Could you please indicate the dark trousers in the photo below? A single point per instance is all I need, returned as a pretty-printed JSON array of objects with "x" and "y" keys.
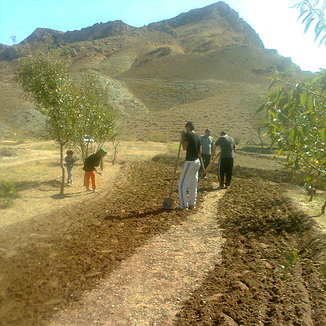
[
  {"x": 206, "y": 160},
  {"x": 225, "y": 171}
]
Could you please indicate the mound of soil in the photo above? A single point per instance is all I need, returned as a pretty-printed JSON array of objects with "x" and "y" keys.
[
  {"x": 271, "y": 272},
  {"x": 46, "y": 264}
]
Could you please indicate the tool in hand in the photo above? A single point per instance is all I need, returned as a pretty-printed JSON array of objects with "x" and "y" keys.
[{"x": 168, "y": 202}]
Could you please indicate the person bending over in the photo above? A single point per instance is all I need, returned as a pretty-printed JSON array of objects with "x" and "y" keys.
[{"x": 90, "y": 165}]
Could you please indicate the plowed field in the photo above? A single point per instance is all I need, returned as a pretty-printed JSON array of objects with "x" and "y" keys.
[{"x": 270, "y": 272}]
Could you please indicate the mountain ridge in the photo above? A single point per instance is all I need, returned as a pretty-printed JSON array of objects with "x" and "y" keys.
[
  {"x": 204, "y": 65},
  {"x": 220, "y": 12}
]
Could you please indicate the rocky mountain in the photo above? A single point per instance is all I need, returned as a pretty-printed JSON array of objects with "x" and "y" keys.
[
  {"x": 218, "y": 14},
  {"x": 207, "y": 65},
  {"x": 3, "y": 46}
]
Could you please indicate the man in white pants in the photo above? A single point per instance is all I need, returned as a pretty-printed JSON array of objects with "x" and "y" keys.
[{"x": 189, "y": 176}]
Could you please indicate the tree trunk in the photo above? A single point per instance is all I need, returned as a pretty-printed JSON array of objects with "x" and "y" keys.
[
  {"x": 62, "y": 187},
  {"x": 82, "y": 149},
  {"x": 323, "y": 208},
  {"x": 115, "y": 149},
  {"x": 86, "y": 150},
  {"x": 261, "y": 141}
]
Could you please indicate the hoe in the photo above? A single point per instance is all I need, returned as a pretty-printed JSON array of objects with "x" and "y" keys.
[{"x": 168, "y": 202}]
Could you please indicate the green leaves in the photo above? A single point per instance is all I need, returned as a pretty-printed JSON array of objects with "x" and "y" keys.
[
  {"x": 96, "y": 116},
  {"x": 313, "y": 12},
  {"x": 73, "y": 110},
  {"x": 296, "y": 122}
]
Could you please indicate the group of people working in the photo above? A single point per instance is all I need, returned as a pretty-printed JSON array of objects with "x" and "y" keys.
[
  {"x": 90, "y": 165},
  {"x": 199, "y": 152}
]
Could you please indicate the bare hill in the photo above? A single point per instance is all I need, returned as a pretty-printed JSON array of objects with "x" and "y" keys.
[{"x": 207, "y": 65}]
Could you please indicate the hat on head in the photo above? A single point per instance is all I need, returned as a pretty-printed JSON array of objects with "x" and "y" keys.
[
  {"x": 207, "y": 129},
  {"x": 103, "y": 150}
]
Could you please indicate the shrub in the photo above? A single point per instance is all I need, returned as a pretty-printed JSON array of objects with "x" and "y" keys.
[{"x": 7, "y": 194}]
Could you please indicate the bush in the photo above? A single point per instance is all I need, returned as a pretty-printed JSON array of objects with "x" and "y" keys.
[
  {"x": 6, "y": 203},
  {"x": 7, "y": 194}
]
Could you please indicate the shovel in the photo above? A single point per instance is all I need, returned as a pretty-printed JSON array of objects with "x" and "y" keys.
[{"x": 168, "y": 202}]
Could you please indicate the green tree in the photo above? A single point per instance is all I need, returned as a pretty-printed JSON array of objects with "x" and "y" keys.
[
  {"x": 46, "y": 78},
  {"x": 296, "y": 122},
  {"x": 313, "y": 11},
  {"x": 296, "y": 113},
  {"x": 97, "y": 118},
  {"x": 72, "y": 110}
]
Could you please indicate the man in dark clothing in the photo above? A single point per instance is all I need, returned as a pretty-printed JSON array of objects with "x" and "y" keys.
[
  {"x": 227, "y": 146},
  {"x": 189, "y": 176},
  {"x": 207, "y": 144},
  {"x": 90, "y": 165}
]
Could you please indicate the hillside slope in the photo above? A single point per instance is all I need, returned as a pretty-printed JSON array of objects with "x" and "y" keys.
[{"x": 207, "y": 65}]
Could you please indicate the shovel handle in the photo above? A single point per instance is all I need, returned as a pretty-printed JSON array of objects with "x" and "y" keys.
[
  {"x": 214, "y": 158},
  {"x": 175, "y": 169}
]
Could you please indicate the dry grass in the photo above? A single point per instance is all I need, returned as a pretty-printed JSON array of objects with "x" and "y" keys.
[
  {"x": 300, "y": 198},
  {"x": 36, "y": 173}
]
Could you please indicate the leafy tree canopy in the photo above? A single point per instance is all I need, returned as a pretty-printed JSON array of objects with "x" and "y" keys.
[
  {"x": 296, "y": 122},
  {"x": 72, "y": 110},
  {"x": 313, "y": 11}
]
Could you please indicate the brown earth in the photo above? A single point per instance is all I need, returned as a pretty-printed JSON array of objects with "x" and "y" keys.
[
  {"x": 207, "y": 65},
  {"x": 271, "y": 272},
  {"x": 48, "y": 263}
]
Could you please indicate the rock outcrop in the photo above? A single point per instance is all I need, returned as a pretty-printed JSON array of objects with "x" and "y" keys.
[{"x": 219, "y": 12}]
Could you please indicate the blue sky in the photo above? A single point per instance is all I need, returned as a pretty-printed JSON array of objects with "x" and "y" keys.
[{"x": 273, "y": 20}]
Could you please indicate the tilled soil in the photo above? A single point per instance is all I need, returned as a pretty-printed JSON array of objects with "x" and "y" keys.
[
  {"x": 149, "y": 287},
  {"x": 270, "y": 273},
  {"x": 46, "y": 264}
]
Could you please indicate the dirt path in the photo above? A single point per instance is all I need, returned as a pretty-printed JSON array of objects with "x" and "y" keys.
[{"x": 148, "y": 288}]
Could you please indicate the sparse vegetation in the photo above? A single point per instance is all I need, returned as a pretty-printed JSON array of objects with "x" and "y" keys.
[
  {"x": 159, "y": 137},
  {"x": 7, "y": 194}
]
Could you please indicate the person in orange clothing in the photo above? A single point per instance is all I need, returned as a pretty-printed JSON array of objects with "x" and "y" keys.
[{"x": 90, "y": 165}]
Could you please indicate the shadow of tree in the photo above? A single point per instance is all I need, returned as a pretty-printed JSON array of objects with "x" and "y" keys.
[
  {"x": 26, "y": 185},
  {"x": 258, "y": 150},
  {"x": 58, "y": 196}
]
